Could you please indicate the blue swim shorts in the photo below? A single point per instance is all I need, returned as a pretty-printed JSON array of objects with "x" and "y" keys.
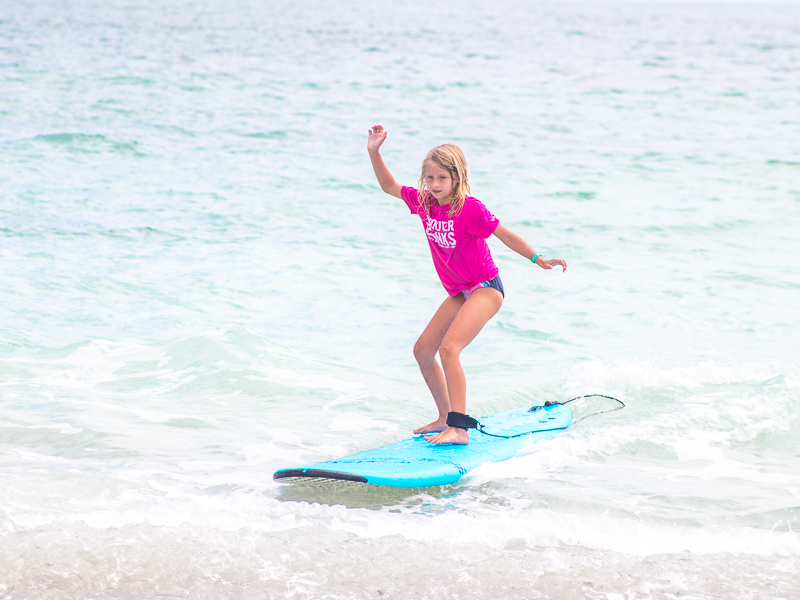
[{"x": 495, "y": 283}]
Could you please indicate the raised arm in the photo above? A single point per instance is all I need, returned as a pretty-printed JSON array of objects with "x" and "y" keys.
[
  {"x": 376, "y": 137},
  {"x": 520, "y": 246}
]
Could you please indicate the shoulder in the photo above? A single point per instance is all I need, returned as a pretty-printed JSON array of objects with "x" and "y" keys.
[
  {"x": 477, "y": 218},
  {"x": 407, "y": 190},
  {"x": 473, "y": 206},
  {"x": 472, "y": 203},
  {"x": 410, "y": 196}
]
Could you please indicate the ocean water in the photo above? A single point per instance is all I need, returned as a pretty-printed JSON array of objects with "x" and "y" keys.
[{"x": 202, "y": 283}]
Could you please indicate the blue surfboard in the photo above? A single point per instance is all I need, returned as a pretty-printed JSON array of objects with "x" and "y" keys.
[{"x": 415, "y": 462}]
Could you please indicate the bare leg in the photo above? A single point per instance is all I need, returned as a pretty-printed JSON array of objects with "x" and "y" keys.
[
  {"x": 482, "y": 305},
  {"x": 425, "y": 352}
]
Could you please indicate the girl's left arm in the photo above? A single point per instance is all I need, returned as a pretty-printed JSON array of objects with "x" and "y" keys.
[{"x": 520, "y": 246}]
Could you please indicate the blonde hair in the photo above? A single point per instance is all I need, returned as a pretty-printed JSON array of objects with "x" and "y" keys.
[{"x": 450, "y": 158}]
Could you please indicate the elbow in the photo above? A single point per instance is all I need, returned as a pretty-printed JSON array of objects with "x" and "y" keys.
[{"x": 392, "y": 188}]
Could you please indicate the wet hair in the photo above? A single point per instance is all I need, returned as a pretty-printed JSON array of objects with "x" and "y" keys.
[{"x": 450, "y": 158}]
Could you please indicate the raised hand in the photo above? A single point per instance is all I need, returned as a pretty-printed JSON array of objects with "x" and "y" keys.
[{"x": 376, "y": 137}]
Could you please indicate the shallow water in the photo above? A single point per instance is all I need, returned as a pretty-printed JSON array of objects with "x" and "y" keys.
[{"x": 204, "y": 284}]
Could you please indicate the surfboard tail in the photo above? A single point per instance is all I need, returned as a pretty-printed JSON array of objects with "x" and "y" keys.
[{"x": 298, "y": 475}]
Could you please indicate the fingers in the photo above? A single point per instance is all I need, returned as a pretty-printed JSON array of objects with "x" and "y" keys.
[{"x": 549, "y": 264}]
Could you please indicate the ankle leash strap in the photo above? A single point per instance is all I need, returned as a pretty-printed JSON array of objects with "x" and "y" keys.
[{"x": 461, "y": 421}]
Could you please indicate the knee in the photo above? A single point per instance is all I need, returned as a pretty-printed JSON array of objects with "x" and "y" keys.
[
  {"x": 423, "y": 353},
  {"x": 449, "y": 352}
]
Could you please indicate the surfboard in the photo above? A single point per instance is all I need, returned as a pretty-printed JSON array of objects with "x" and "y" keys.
[{"x": 414, "y": 462}]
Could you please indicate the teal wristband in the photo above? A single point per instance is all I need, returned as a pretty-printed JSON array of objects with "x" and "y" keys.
[{"x": 535, "y": 256}]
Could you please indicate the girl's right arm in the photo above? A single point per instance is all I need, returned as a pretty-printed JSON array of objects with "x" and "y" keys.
[{"x": 376, "y": 137}]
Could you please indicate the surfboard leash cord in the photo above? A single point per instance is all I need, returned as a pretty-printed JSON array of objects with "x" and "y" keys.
[{"x": 479, "y": 426}]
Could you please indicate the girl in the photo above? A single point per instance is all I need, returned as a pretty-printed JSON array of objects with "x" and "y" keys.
[{"x": 457, "y": 226}]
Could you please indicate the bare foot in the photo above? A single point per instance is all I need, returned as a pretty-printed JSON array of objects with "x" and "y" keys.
[
  {"x": 451, "y": 435},
  {"x": 435, "y": 427}
]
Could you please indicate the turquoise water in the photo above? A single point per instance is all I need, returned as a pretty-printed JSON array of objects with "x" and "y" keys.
[{"x": 202, "y": 283}]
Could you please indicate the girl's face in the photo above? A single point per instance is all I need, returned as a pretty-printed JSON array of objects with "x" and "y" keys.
[{"x": 439, "y": 183}]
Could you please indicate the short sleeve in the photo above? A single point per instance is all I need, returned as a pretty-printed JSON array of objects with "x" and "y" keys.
[
  {"x": 479, "y": 221},
  {"x": 410, "y": 196}
]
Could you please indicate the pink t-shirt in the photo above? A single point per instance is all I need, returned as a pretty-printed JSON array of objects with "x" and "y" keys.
[{"x": 458, "y": 243}]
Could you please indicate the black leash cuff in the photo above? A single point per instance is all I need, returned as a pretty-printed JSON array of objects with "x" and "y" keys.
[{"x": 460, "y": 420}]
